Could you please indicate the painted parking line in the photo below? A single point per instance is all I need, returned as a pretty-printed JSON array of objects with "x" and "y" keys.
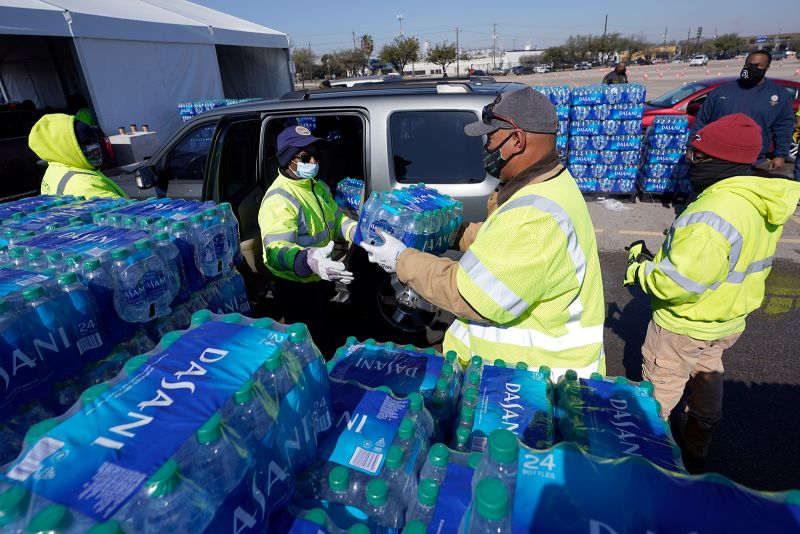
[
  {"x": 790, "y": 241},
  {"x": 640, "y": 232},
  {"x": 796, "y": 218}
]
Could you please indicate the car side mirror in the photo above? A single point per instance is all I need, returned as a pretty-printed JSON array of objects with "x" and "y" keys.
[{"x": 146, "y": 177}]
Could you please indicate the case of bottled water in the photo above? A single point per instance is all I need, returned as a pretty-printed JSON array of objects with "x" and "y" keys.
[
  {"x": 421, "y": 217},
  {"x": 349, "y": 194},
  {"x": 205, "y": 432},
  {"x": 189, "y": 110},
  {"x": 664, "y": 167}
]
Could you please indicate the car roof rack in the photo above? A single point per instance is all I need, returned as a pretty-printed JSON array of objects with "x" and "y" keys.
[{"x": 464, "y": 83}]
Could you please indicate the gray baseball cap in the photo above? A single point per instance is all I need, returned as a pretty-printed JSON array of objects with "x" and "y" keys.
[{"x": 530, "y": 110}]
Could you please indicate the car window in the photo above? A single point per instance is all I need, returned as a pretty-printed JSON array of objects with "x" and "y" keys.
[
  {"x": 792, "y": 91},
  {"x": 239, "y": 158},
  {"x": 431, "y": 147},
  {"x": 187, "y": 159},
  {"x": 670, "y": 98}
]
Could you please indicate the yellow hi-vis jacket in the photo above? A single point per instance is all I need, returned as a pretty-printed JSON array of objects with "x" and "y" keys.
[
  {"x": 53, "y": 139},
  {"x": 534, "y": 273},
  {"x": 710, "y": 271},
  {"x": 298, "y": 214}
]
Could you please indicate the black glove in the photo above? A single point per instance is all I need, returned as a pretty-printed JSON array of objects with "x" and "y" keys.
[{"x": 638, "y": 252}]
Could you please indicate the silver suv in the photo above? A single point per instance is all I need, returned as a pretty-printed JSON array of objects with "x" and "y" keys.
[{"x": 389, "y": 135}]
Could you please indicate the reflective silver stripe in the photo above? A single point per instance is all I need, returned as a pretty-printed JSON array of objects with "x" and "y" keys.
[
  {"x": 62, "y": 183},
  {"x": 284, "y": 236},
  {"x": 460, "y": 332},
  {"x": 648, "y": 268},
  {"x": 302, "y": 227},
  {"x": 564, "y": 222},
  {"x": 577, "y": 336},
  {"x": 716, "y": 222},
  {"x": 491, "y": 285},
  {"x": 311, "y": 240},
  {"x": 345, "y": 226},
  {"x": 735, "y": 277},
  {"x": 282, "y": 258}
]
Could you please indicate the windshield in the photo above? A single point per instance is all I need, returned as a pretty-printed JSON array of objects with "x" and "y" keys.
[{"x": 670, "y": 98}]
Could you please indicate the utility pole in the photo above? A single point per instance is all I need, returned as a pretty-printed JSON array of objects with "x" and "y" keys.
[
  {"x": 688, "y": 36},
  {"x": 494, "y": 44},
  {"x": 458, "y": 55},
  {"x": 513, "y": 44},
  {"x": 354, "y": 39},
  {"x": 605, "y": 29},
  {"x": 665, "y": 41},
  {"x": 400, "y": 20}
]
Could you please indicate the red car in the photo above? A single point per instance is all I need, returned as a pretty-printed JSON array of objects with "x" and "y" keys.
[{"x": 689, "y": 98}]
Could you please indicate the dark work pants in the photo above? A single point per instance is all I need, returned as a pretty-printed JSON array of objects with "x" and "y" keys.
[{"x": 307, "y": 303}]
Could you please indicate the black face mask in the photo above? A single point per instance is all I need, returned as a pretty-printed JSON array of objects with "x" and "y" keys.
[
  {"x": 493, "y": 160},
  {"x": 751, "y": 75},
  {"x": 707, "y": 172}
]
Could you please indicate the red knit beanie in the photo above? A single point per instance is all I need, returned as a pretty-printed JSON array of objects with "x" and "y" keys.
[{"x": 735, "y": 138}]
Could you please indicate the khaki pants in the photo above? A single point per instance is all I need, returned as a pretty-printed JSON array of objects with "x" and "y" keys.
[{"x": 670, "y": 361}]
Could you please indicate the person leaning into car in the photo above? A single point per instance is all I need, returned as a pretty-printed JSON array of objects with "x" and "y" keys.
[
  {"x": 618, "y": 75},
  {"x": 299, "y": 221},
  {"x": 764, "y": 101}
]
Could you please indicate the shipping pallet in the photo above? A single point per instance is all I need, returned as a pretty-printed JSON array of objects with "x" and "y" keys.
[{"x": 622, "y": 197}]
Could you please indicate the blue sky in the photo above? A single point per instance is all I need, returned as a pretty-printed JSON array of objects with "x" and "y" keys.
[{"x": 328, "y": 25}]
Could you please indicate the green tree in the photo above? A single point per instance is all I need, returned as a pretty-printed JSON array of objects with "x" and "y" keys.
[
  {"x": 443, "y": 54},
  {"x": 352, "y": 60},
  {"x": 304, "y": 59},
  {"x": 728, "y": 42},
  {"x": 367, "y": 44},
  {"x": 400, "y": 52},
  {"x": 555, "y": 55},
  {"x": 529, "y": 60}
]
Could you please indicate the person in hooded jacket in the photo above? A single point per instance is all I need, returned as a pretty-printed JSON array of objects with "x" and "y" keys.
[
  {"x": 73, "y": 153},
  {"x": 709, "y": 275}
]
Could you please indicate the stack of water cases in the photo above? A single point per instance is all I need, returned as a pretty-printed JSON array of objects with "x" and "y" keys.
[
  {"x": 202, "y": 433},
  {"x": 349, "y": 193},
  {"x": 419, "y": 216},
  {"x": 189, "y": 110},
  {"x": 560, "y": 96},
  {"x": 664, "y": 168},
  {"x": 605, "y": 137},
  {"x": 77, "y": 299}
]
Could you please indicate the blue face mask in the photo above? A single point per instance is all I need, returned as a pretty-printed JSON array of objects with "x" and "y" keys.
[{"x": 306, "y": 170}]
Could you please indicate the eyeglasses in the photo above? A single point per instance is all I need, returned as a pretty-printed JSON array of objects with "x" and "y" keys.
[{"x": 488, "y": 114}]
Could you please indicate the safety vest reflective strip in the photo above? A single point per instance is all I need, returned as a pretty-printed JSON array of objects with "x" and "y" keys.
[
  {"x": 730, "y": 233},
  {"x": 300, "y": 237},
  {"x": 64, "y": 180}
]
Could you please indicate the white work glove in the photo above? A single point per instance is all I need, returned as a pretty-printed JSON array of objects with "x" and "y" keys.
[
  {"x": 319, "y": 261},
  {"x": 385, "y": 255}
]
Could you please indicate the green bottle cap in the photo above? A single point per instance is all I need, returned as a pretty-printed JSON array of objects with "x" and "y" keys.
[
  {"x": 545, "y": 371},
  {"x": 471, "y": 395},
  {"x": 447, "y": 371},
  {"x": 211, "y": 431},
  {"x": 351, "y": 340},
  {"x": 225, "y": 206},
  {"x": 394, "y": 458},
  {"x": 451, "y": 356},
  {"x": 109, "y": 527},
  {"x": 119, "y": 254},
  {"x": 415, "y": 401},
  {"x": 499, "y": 363},
  {"x": 316, "y": 516},
  {"x": 67, "y": 279},
  {"x": 377, "y": 492},
  {"x": 34, "y": 254},
  {"x": 161, "y": 236},
  {"x": 274, "y": 362},
  {"x": 133, "y": 364},
  {"x": 406, "y": 430},
  {"x": 441, "y": 385},
  {"x": 474, "y": 459},
  {"x": 178, "y": 226},
  {"x": 52, "y": 519},
  {"x": 339, "y": 479},
  {"x": 232, "y": 318},
  {"x": 522, "y": 366},
  {"x": 165, "y": 480},
  {"x": 298, "y": 332},
  {"x": 370, "y": 342},
  {"x": 439, "y": 455},
  {"x": 169, "y": 338},
  {"x": 491, "y": 499},
  {"x": 196, "y": 218},
  {"x": 210, "y": 212},
  {"x": 37, "y": 431},
  {"x": 476, "y": 361},
  {"x": 474, "y": 378},
  {"x": 571, "y": 376},
  {"x": 428, "y": 492},
  {"x": 142, "y": 244},
  {"x": 360, "y": 528},
  {"x": 647, "y": 386},
  {"x": 33, "y": 293},
  {"x": 265, "y": 323},
  {"x": 245, "y": 393},
  {"x": 200, "y": 317},
  {"x": 90, "y": 265},
  {"x": 93, "y": 393},
  {"x": 462, "y": 436},
  {"x": 503, "y": 446},
  {"x": 596, "y": 376},
  {"x": 468, "y": 414},
  {"x": 621, "y": 380},
  {"x": 389, "y": 346},
  {"x": 13, "y": 504}
]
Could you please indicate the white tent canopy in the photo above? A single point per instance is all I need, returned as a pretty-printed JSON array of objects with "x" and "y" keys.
[{"x": 140, "y": 58}]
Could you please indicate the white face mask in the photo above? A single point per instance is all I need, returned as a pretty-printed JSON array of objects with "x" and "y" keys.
[{"x": 306, "y": 170}]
